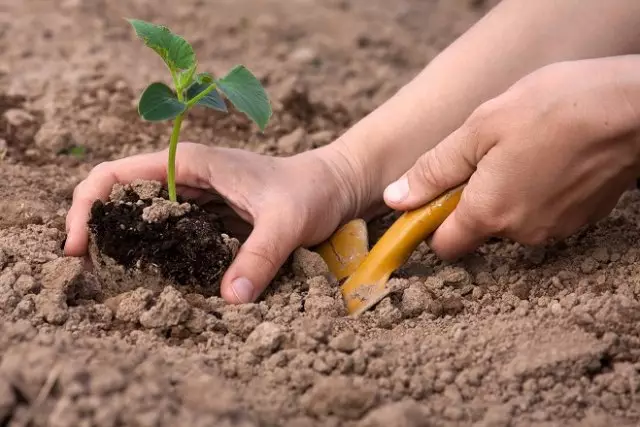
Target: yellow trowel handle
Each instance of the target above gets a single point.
(367, 285)
(415, 226)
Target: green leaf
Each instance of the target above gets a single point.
(211, 100)
(158, 102)
(174, 50)
(205, 78)
(77, 151)
(186, 77)
(246, 93)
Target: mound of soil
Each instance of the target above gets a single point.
(140, 229)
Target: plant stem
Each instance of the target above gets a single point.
(176, 82)
(173, 147)
(175, 134)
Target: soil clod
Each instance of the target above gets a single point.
(181, 242)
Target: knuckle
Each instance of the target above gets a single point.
(485, 124)
(471, 221)
(78, 189)
(429, 169)
(480, 212)
(483, 115)
(530, 231)
(102, 168)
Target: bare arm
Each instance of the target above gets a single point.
(514, 39)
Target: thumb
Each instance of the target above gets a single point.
(258, 261)
(445, 166)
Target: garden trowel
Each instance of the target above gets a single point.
(367, 272)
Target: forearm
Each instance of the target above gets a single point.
(515, 38)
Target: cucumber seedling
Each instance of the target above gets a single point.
(160, 102)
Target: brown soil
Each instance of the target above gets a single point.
(139, 231)
(510, 336)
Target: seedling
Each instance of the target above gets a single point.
(160, 102)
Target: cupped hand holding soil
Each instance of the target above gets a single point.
(290, 202)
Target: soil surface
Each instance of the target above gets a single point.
(510, 336)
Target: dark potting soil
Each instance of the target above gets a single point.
(188, 249)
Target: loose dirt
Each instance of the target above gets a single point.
(509, 336)
(139, 236)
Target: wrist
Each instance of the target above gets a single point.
(348, 177)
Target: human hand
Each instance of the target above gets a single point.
(291, 202)
(549, 155)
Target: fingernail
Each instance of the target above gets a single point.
(243, 289)
(397, 191)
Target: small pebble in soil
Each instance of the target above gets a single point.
(387, 314)
(161, 210)
(345, 397)
(26, 284)
(303, 55)
(170, 309)
(292, 142)
(21, 267)
(52, 306)
(265, 339)
(406, 413)
(25, 307)
(308, 264)
(535, 255)
(8, 298)
(434, 282)
(111, 125)
(601, 254)
(146, 190)
(452, 305)
(522, 309)
(484, 278)
(7, 278)
(556, 308)
(64, 274)
(455, 276)
(477, 293)
(521, 288)
(197, 321)
(496, 416)
(323, 305)
(321, 138)
(241, 320)
(414, 300)
(588, 265)
(18, 117)
(345, 342)
(129, 306)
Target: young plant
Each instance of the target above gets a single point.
(160, 102)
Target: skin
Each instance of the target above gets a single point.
(282, 198)
(551, 154)
(300, 200)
